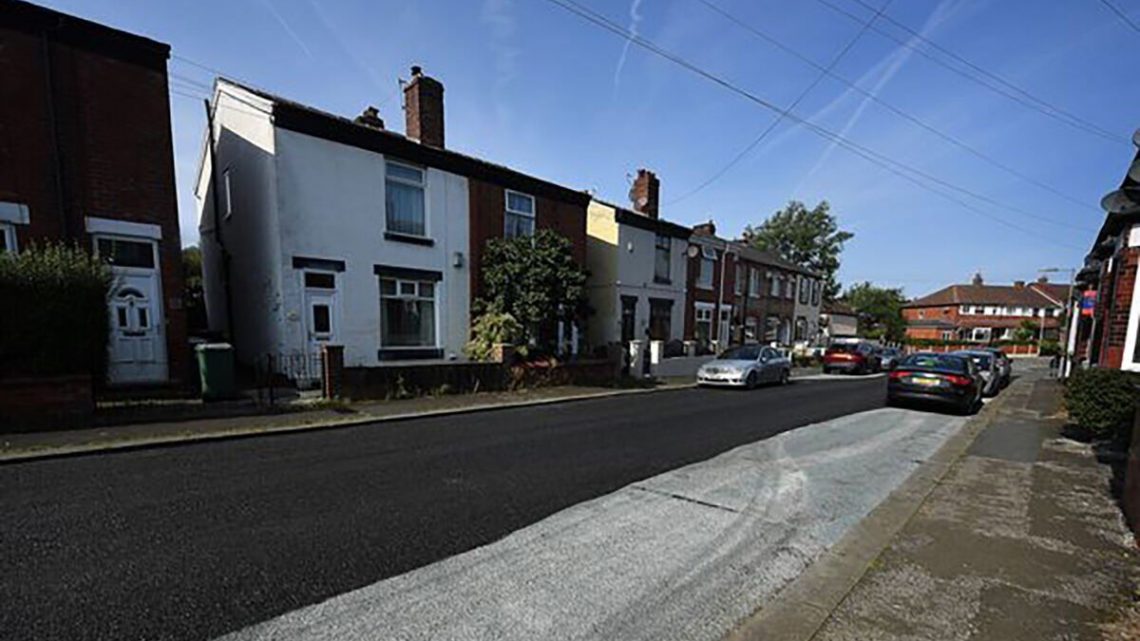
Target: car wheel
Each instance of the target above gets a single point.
(750, 382)
(785, 375)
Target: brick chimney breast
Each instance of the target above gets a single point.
(646, 193)
(370, 117)
(423, 109)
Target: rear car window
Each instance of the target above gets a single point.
(843, 348)
(940, 362)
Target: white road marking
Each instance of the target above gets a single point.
(682, 555)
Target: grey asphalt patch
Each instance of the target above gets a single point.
(1010, 440)
(682, 555)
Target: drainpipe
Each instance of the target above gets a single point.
(226, 290)
(720, 295)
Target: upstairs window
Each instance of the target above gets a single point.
(708, 266)
(805, 291)
(753, 282)
(738, 286)
(790, 288)
(519, 217)
(663, 248)
(773, 285)
(404, 200)
(816, 289)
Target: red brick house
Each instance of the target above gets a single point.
(981, 313)
(738, 294)
(86, 156)
(1105, 334)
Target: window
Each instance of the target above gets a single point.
(708, 266)
(407, 313)
(922, 313)
(703, 326)
(816, 291)
(660, 319)
(519, 218)
(773, 285)
(320, 280)
(805, 290)
(981, 334)
(750, 329)
(322, 319)
(126, 253)
(790, 288)
(947, 335)
(7, 237)
(978, 309)
(662, 252)
(227, 191)
(738, 286)
(404, 200)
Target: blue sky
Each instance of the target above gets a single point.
(534, 87)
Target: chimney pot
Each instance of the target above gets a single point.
(646, 193)
(370, 117)
(1019, 284)
(705, 229)
(978, 280)
(423, 109)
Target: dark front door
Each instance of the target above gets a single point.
(628, 318)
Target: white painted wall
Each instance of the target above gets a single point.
(626, 268)
(331, 205)
(297, 195)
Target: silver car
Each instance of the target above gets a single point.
(988, 368)
(746, 366)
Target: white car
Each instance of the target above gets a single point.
(746, 366)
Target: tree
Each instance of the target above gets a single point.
(534, 279)
(879, 311)
(1027, 331)
(809, 238)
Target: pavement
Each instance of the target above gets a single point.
(1019, 538)
(204, 539)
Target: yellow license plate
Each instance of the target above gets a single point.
(929, 382)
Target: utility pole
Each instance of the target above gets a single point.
(1066, 353)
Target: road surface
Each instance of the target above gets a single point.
(197, 541)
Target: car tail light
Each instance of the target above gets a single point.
(898, 374)
(960, 381)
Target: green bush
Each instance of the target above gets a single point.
(1101, 400)
(55, 320)
(1050, 348)
(491, 329)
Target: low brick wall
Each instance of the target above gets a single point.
(57, 402)
(402, 381)
(1130, 499)
(1010, 350)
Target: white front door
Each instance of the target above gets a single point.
(320, 310)
(137, 345)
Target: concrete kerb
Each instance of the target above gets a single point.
(173, 440)
(799, 610)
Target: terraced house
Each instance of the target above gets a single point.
(319, 229)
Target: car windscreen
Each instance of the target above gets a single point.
(744, 353)
(935, 363)
(841, 348)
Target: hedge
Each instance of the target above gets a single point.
(1102, 400)
(56, 319)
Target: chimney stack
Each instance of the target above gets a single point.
(978, 279)
(1019, 284)
(423, 109)
(370, 117)
(1042, 280)
(705, 229)
(645, 193)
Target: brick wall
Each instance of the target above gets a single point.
(60, 402)
(116, 157)
(1118, 307)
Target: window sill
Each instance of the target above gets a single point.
(408, 238)
(662, 281)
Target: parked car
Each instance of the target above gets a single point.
(889, 357)
(1004, 363)
(746, 366)
(948, 379)
(854, 358)
(988, 369)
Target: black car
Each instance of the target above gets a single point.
(937, 378)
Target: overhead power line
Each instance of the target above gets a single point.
(875, 158)
(886, 105)
(824, 71)
(1120, 14)
(990, 80)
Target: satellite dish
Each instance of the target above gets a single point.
(693, 251)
